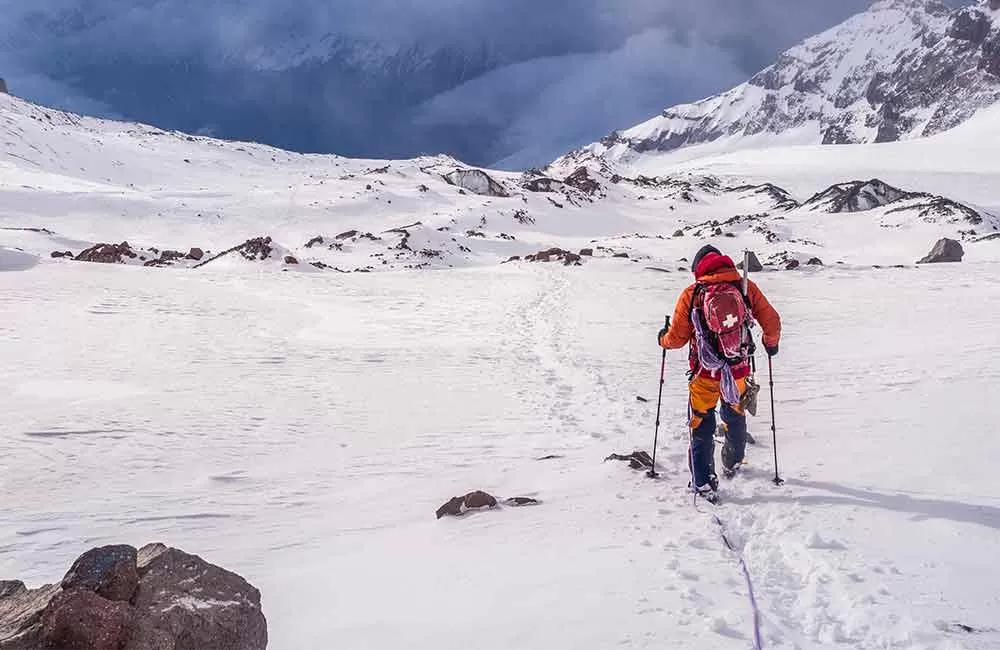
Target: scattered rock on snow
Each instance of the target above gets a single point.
(586, 252)
(945, 250)
(558, 254)
(636, 460)
(154, 598)
(107, 253)
(479, 500)
(195, 254)
(792, 264)
(755, 265)
(815, 261)
(57, 254)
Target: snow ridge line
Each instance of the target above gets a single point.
(757, 644)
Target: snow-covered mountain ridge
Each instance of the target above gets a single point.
(903, 69)
(80, 188)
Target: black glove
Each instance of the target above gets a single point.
(663, 332)
(772, 350)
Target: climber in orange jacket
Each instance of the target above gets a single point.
(710, 318)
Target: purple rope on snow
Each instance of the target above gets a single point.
(757, 643)
(709, 360)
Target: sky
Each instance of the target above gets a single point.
(511, 84)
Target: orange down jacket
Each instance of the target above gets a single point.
(681, 330)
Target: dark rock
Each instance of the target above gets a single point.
(195, 254)
(290, 260)
(21, 613)
(107, 253)
(475, 181)
(945, 250)
(452, 507)
(571, 258)
(678, 233)
(583, 181)
(815, 261)
(479, 499)
(108, 571)
(792, 264)
(181, 603)
(586, 252)
(755, 265)
(347, 235)
(970, 25)
(196, 604)
(512, 258)
(314, 242)
(258, 248)
(423, 188)
(520, 501)
(542, 184)
(3, 87)
(78, 619)
(621, 255)
(57, 254)
(635, 460)
(458, 506)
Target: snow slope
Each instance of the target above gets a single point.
(75, 182)
(302, 428)
(903, 69)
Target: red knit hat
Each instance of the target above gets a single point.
(711, 263)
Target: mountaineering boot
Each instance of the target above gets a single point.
(708, 491)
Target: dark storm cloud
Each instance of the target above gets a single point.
(519, 80)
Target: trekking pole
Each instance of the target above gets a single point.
(774, 431)
(659, 401)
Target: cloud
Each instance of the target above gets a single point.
(512, 81)
(546, 106)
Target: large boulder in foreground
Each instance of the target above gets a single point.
(945, 250)
(120, 598)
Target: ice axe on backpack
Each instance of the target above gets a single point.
(748, 400)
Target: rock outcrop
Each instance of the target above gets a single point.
(121, 598)
(476, 181)
(945, 250)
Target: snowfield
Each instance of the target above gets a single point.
(302, 430)
(301, 426)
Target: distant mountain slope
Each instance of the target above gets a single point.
(92, 190)
(901, 70)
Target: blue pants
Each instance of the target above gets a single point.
(702, 458)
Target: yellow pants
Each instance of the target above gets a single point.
(704, 396)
